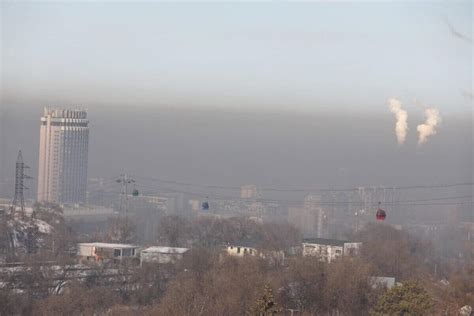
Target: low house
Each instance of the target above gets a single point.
(162, 254)
(99, 251)
(387, 282)
(329, 249)
(241, 251)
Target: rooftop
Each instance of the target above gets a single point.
(75, 113)
(323, 241)
(106, 245)
(158, 249)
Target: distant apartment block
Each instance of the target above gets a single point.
(310, 219)
(249, 191)
(63, 152)
(329, 249)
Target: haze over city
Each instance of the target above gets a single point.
(292, 143)
(309, 85)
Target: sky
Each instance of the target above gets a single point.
(313, 56)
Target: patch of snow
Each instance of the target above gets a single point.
(43, 227)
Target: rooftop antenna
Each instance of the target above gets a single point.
(20, 177)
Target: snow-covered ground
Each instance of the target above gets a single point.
(26, 232)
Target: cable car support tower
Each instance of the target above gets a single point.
(125, 180)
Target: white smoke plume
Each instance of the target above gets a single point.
(428, 128)
(401, 126)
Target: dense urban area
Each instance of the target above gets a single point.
(223, 158)
(107, 247)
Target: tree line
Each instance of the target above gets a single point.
(208, 282)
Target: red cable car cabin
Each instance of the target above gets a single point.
(380, 215)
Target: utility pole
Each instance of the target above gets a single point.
(20, 176)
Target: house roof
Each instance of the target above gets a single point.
(107, 245)
(159, 249)
(323, 241)
(241, 246)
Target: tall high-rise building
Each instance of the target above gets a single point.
(64, 142)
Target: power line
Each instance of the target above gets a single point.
(308, 190)
(438, 199)
(323, 203)
(435, 201)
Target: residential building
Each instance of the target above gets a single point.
(63, 151)
(329, 249)
(162, 254)
(249, 191)
(272, 256)
(310, 219)
(387, 282)
(352, 248)
(99, 251)
(240, 251)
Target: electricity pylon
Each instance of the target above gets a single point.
(20, 177)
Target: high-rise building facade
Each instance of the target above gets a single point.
(64, 142)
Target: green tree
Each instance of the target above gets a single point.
(409, 299)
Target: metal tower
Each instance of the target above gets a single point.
(125, 180)
(20, 177)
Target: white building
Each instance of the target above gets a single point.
(62, 170)
(387, 282)
(240, 251)
(99, 251)
(329, 249)
(162, 254)
(352, 248)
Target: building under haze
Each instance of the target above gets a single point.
(249, 191)
(62, 171)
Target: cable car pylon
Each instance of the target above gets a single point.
(125, 180)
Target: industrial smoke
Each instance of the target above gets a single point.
(401, 126)
(428, 128)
